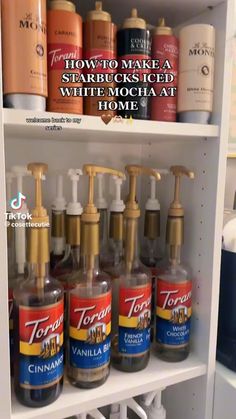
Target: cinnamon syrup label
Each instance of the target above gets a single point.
(41, 342)
(58, 53)
(134, 319)
(90, 328)
(173, 312)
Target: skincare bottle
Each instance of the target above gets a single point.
(132, 291)
(38, 315)
(174, 285)
(89, 315)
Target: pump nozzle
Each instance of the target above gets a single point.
(38, 170)
(101, 202)
(74, 207)
(175, 221)
(59, 203)
(91, 170)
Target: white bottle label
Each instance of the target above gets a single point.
(196, 68)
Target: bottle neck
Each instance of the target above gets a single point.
(174, 253)
(89, 255)
(131, 253)
(117, 247)
(40, 273)
(103, 228)
(58, 232)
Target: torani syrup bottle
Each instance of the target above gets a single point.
(132, 291)
(89, 318)
(38, 316)
(134, 43)
(174, 286)
(165, 47)
(99, 44)
(58, 225)
(64, 42)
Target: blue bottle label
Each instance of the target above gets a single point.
(134, 320)
(41, 345)
(90, 328)
(173, 313)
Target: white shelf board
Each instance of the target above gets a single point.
(93, 129)
(119, 386)
(226, 375)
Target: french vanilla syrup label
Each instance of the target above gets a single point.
(173, 313)
(90, 328)
(134, 319)
(41, 342)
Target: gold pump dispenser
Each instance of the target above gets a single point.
(175, 220)
(132, 290)
(132, 211)
(92, 288)
(173, 314)
(38, 236)
(35, 298)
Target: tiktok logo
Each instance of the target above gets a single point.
(17, 202)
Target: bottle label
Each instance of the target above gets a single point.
(134, 319)
(90, 328)
(100, 54)
(58, 53)
(10, 311)
(41, 341)
(173, 313)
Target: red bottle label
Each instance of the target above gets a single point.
(90, 328)
(135, 69)
(99, 54)
(58, 53)
(134, 319)
(165, 47)
(40, 346)
(173, 312)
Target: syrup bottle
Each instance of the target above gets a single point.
(58, 225)
(70, 262)
(89, 314)
(132, 302)
(174, 286)
(38, 315)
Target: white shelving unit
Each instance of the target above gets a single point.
(190, 384)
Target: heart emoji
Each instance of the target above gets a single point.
(106, 118)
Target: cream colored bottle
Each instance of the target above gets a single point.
(196, 73)
(24, 47)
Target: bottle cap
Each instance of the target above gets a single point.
(117, 204)
(101, 202)
(134, 21)
(74, 207)
(19, 172)
(59, 203)
(162, 29)
(66, 5)
(98, 13)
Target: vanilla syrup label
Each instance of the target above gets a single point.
(41, 345)
(134, 319)
(90, 328)
(173, 313)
